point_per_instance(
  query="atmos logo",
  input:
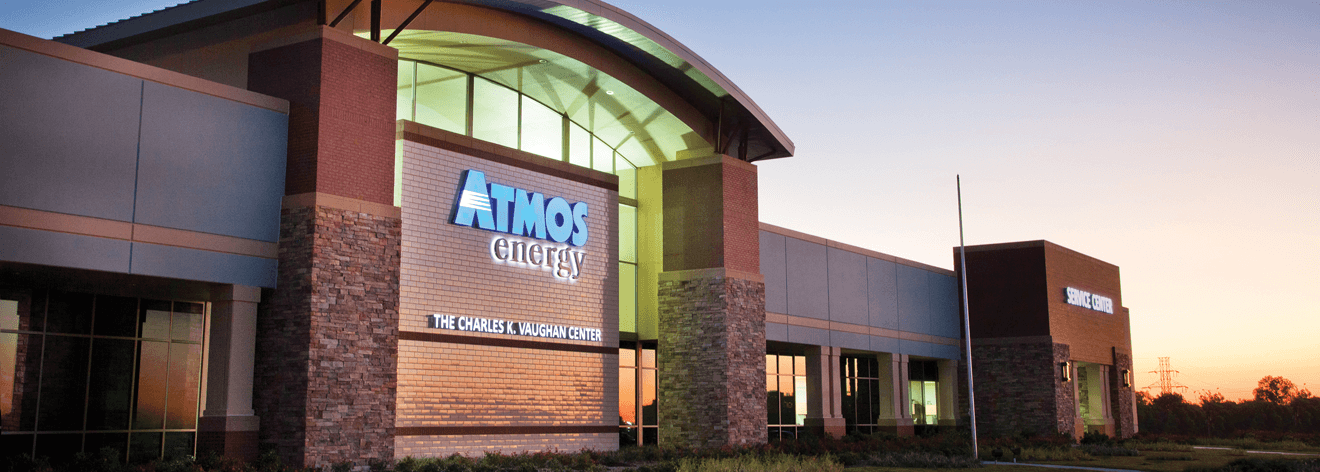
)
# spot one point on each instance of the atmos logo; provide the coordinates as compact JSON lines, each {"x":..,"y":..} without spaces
{"x":511,"y":210}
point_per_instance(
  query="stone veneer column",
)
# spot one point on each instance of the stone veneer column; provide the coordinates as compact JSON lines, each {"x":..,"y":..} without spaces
{"x":711,"y":347}
{"x":327,"y":354}
{"x":1066,"y":413}
{"x":228,"y":426}
{"x":897,"y":412}
{"x":1019,"y":387}
{"x":1122,"y":398}
{"x":824,"y":400}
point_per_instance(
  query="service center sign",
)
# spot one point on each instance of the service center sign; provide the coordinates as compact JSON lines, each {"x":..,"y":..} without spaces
{"x":514,"y":211}
{"x":1090,"y":300}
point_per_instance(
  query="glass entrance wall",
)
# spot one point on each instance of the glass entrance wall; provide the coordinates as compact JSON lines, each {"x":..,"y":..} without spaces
{"x":84,"y":372}
{"x":861,"y":392}
{"x":924,"y":391}
{"x":786,"y":395}
{"x":1091,"y":389}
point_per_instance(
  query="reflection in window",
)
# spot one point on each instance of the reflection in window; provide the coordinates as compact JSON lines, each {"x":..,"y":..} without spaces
{"x":786,"y":395}
{"x":860,"y":393}
{"x":8,"y":354}
{"x":637,"y":394}
{"x":130,"y":380}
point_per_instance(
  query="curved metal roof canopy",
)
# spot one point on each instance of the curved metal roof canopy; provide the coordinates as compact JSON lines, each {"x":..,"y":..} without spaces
{"x":743,"y":129}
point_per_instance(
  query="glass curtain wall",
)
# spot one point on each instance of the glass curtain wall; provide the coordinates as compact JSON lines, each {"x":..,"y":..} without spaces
{"x":470,"y":105}
{"x":924,"y":390}
{"x":83,"y":372}
{"x":786,"y":395}
{"x":861,"y":393}
{"x":638,"y":406}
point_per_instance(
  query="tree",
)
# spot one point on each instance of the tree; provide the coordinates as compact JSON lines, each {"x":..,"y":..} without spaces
{"x":1278,"y":390}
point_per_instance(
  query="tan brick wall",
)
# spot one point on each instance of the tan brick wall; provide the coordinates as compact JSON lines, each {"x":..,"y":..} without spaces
{"x":447,"y":269}
{"x":1092,"y":335}
{"x":425,"y":446}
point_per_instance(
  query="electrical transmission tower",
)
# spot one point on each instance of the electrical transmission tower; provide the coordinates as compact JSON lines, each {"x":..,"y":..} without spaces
{"x":1168,"y":382}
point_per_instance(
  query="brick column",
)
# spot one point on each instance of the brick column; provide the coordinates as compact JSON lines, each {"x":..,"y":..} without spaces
{"x":711,"y":350}
{"x":228,"y":426}
{"x":824,"y":400}
{"x":327,"y":353}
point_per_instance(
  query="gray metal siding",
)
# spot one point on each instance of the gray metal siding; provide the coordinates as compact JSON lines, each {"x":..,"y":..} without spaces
{"x":847,"y":287}
{"x":210,"y":165}
{"x":68,"y":136}
{"x":808,"y":286}
{"x":206,"y":266}
{"x":774,"y":268}
{"x":81,"y":140}
{"x":913,"y":300}
{"x":63,"y":250}
{"x":882,"y":292}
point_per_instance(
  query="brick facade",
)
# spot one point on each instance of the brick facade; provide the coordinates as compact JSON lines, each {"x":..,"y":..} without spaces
{"x":1017,"y":293}
{"x":711,"y":361}
{"x":470,"y":392}
{"x":326,"y":373}
{"x":341,"y":91}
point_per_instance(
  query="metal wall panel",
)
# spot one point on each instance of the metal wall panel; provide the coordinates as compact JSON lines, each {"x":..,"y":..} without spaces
{"x":805,"y":335}
{"x":808,"y":280}
{"x":913,"y":300}
{"x":883,"y":344}
{"x":774,"y":268}
{"x":68,"y":136}
{"x":210,"y":165}
{"x":882,"y":292}
{"x":945,"y":310}
{"x":63,"y":250}
{"x":776,"y":332}
{"x":850,"y":340}
{"x":206,"y":266}
{"x":848,"y":287}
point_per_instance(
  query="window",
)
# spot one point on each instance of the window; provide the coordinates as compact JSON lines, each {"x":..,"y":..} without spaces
{"x":860,"y":392}
{"x":786,"y":395}
{"x":83,"y":372}
{"x":924,"y":391}
{"x":638,"y":405}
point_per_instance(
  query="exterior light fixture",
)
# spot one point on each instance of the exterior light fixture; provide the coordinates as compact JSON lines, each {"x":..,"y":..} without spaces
{"x":1065,"y":371}
{"x":1127,"y":378}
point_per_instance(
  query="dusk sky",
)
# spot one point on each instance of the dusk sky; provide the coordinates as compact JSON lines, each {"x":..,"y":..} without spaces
{"x":1177,"y":140}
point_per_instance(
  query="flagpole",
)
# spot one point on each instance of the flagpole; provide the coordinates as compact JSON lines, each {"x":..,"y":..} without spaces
{"x":967,"y":323}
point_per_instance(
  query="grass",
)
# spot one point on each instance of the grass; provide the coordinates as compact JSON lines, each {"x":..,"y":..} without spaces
{"x":1155,"y":457}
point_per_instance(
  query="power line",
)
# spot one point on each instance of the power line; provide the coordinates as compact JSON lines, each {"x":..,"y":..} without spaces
{"x":1168,"y":382}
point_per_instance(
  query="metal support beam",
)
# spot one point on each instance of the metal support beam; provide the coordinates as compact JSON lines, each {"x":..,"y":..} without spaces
{"x":410,"y":19}
{"x":344,"y":13}
{"x":375,"y":20}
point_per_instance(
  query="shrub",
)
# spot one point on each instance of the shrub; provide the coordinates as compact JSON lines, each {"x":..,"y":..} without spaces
{"x":925,"y":460}
{"x":772,"y":463}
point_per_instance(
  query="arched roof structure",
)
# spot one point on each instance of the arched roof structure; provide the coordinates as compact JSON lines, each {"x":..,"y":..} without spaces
{"x":676,"y":78}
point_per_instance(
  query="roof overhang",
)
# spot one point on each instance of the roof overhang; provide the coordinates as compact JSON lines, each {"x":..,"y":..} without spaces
{"x":743,"y":130}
